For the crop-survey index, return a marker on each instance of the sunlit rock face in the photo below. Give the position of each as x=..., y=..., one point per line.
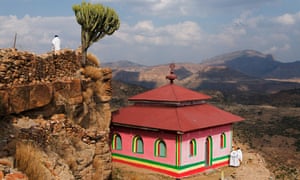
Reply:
x=55, y=114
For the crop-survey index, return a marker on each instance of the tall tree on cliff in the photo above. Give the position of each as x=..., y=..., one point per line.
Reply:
x=96, y=21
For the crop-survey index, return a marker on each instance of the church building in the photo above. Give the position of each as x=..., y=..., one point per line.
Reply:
x=172, y=130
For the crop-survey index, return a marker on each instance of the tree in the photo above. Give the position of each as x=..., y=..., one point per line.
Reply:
x=96, y=21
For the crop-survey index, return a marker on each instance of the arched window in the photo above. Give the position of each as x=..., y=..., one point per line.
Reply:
x=160, y=148
x=116, y=142
x=208, y=151
x=137, y=145
x=193, y=147
x=223, y=140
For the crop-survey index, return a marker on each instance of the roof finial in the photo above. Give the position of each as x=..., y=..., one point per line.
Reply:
x=171, y=76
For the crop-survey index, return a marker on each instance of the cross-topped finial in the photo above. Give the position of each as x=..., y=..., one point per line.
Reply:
x=172, y=67
x=171, y=76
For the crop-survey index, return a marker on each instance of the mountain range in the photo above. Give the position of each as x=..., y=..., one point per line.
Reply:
x=257, y=64
x=246, y=71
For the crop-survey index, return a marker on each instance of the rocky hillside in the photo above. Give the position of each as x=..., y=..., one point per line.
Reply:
x=55, y=116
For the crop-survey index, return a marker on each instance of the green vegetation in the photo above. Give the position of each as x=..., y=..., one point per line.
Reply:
x=96, y=21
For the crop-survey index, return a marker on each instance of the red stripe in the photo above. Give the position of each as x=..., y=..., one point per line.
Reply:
x=202, y=169
x=170, y=173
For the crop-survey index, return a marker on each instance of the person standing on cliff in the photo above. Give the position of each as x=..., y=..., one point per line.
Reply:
x=56, y=44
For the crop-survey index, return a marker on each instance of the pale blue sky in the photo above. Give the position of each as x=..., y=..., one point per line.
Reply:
x=161, y=31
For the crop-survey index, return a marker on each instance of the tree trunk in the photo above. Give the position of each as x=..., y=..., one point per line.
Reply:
x=84, y=44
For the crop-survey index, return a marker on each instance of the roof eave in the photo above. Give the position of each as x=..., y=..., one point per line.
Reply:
x=136, y=127
x=168, y=102
x=179, y=131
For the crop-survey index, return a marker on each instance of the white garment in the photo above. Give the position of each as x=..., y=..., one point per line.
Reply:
x=240, y=155
x=234, y=159
x=56, y=43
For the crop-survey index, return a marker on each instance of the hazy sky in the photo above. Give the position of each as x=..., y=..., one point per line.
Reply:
x=161, y=31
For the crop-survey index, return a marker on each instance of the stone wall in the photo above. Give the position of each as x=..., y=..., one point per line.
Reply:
x=22, y=67
x=51, y=102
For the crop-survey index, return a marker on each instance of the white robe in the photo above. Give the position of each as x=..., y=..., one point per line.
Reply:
x=56, y=43
x=240, y=155
x=234, y=159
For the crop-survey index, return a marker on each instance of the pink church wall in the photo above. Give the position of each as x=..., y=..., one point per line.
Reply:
x=200, y=137
x=149, y=138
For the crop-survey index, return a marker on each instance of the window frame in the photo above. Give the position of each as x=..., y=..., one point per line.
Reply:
x=138, y=145
x=223, y=140
x=116, y=142
x=160, y=148
x=192, y=148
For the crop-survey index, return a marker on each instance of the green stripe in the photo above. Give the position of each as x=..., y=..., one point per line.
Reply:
x=221, y=158
x=146, y=161
x=150, y=162
x=192, y=165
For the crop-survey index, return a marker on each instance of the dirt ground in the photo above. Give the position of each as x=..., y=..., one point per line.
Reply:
x=253, y=167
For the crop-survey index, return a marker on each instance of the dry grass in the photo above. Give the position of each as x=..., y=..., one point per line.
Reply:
x=29, y=160
x=93, y=59
x=93, y=72
x=88, y=93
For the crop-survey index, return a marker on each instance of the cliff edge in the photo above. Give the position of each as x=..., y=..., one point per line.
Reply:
x=55, y=116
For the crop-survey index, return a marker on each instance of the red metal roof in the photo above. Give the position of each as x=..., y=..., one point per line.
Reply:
x=180, y=118
x=170, y=93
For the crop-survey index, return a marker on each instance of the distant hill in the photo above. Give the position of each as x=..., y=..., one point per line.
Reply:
x=223, y=58
x=121, y=64
x=257, y=64
x=285, y=71
x=245, y=71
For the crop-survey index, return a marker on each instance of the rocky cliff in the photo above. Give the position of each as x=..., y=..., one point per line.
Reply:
x=55, y=116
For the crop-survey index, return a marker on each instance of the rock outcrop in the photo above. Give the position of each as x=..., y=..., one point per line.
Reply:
x=55, y=115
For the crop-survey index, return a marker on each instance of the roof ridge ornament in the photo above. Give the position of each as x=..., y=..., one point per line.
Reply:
x=171, y=76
